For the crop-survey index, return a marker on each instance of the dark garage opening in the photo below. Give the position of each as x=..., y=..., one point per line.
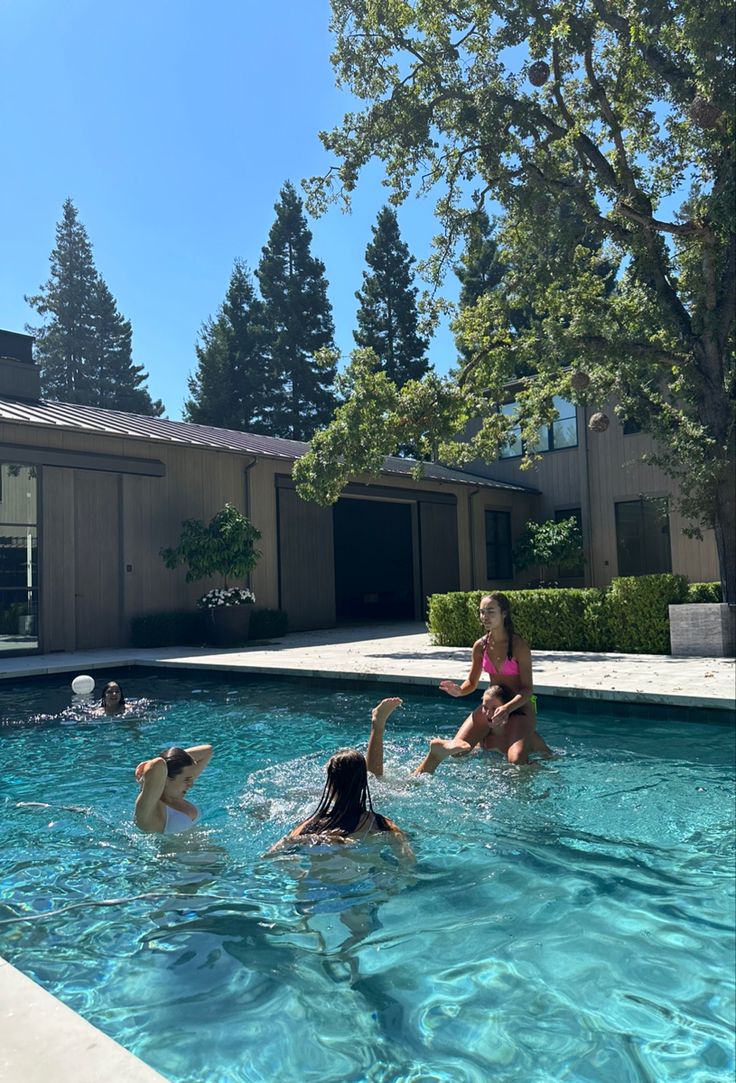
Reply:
x=374, y=568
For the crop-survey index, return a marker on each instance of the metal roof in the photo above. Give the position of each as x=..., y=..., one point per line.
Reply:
x=93, y=419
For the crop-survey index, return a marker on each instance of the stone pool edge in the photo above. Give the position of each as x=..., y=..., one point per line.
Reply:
x=43, y=1039
x=224, y=662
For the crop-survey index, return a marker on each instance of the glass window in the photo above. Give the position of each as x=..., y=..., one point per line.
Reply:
x=560, y=434
x=498, y=545
x=510, y=451
x=18, y=557
x=631, y=426
x=643, y=537
x=578, y=570
x=564, y=431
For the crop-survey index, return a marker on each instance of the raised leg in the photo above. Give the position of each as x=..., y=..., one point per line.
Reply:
x=379, y=717
x=439, y=750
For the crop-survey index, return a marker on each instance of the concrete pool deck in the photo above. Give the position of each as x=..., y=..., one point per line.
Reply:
x=401, y=654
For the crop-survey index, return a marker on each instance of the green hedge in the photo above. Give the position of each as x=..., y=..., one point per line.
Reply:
x=268, y=623
x=704, y=592
x=639, y=608
x=630, y=616
x=184, y=629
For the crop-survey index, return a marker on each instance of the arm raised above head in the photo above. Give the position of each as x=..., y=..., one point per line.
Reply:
x=201, y=754
x=152, y=775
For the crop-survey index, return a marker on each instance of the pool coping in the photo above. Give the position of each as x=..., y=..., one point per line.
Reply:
x=236, y=661
x=43, y=1039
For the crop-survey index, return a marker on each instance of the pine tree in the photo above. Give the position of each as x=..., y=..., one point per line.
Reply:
x=234, y=385
x=480, y=269
x=387, y=316
x=84, y=348
x=298, y=315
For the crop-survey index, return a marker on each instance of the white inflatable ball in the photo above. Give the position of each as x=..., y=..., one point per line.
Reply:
x=83, y=684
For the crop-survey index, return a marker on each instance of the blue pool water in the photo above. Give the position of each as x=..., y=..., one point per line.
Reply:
x=570, y=922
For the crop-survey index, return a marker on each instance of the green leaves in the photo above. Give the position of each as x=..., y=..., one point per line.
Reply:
x=225, y=546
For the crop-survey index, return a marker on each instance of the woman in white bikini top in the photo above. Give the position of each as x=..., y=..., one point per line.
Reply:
x=161, y=807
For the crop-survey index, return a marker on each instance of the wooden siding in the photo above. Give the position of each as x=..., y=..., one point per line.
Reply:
x=438, y=533
x=604, y=468
x=196, y=483
x=307, y=562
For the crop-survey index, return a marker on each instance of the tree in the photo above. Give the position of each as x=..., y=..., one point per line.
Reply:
x=84, y=348
x=627, y=113
x=234, y=386
x=387, y=316
x=552, y=542
x=298, y=316
x=225, y=546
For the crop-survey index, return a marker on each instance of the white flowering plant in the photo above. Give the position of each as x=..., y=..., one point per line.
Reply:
x=226, y=596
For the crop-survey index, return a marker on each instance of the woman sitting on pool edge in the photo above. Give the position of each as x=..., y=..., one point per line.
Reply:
x=345, y=810
x=507, y=659
x=161, y=807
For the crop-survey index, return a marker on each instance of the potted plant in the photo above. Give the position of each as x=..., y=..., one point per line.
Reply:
x=226, y=547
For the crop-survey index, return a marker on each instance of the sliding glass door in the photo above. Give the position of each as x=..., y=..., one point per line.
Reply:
x=18, y=557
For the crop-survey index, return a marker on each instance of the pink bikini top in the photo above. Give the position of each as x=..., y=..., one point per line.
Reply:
x=509, y=667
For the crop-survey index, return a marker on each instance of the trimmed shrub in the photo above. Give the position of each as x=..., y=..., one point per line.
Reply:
x=268, y=623
x=704, y=592
x=452, y=619
x=184, y=629
x=549, y=619
x=631, y=616
x=639, y=611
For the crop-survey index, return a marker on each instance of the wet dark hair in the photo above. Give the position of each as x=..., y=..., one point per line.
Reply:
x=499, y=691
x=116, y=684
x=345, y=797
x=505, y=606
x=176, y=760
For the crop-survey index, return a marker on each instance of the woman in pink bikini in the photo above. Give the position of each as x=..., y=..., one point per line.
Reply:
x=511, y=727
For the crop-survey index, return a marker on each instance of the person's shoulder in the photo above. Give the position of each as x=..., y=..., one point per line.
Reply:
x=479, y=645
x=519, y=644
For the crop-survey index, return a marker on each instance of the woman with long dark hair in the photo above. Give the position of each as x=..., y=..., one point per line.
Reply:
x=505, y=657
x=345, y=811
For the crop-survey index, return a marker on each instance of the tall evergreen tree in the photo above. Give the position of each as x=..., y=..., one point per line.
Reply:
x=84, y=348
x=234, y=386
x=299, y=318
x=387, y=316
x=480, y=269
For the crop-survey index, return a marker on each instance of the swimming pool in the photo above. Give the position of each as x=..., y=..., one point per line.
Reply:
x=569, y=922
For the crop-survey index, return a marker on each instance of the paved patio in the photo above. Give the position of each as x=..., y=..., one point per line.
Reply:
x=402, y=654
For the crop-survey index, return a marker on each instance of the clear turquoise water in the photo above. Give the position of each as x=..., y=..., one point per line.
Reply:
x=570, y=922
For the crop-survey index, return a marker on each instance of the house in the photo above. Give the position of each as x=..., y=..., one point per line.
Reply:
x=627, y=516
x=88, y=497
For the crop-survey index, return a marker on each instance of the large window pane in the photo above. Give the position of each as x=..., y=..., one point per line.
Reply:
x=18, y=558
x=498, y=545
x=578, y=570
x=564, y=431
x=510, y=451
x=643, y=537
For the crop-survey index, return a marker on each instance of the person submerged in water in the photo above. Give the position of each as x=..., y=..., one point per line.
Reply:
x=112, y=700
x=345, y=811
x=161, y=806
x=489, y=735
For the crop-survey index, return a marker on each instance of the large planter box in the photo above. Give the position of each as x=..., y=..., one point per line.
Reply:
x=227, y=625
x=703, y=630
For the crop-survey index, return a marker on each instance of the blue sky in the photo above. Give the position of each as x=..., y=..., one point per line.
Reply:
x=172, y=126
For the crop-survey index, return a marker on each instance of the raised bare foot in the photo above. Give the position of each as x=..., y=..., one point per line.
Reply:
x=440, y=748
x=380, y=713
